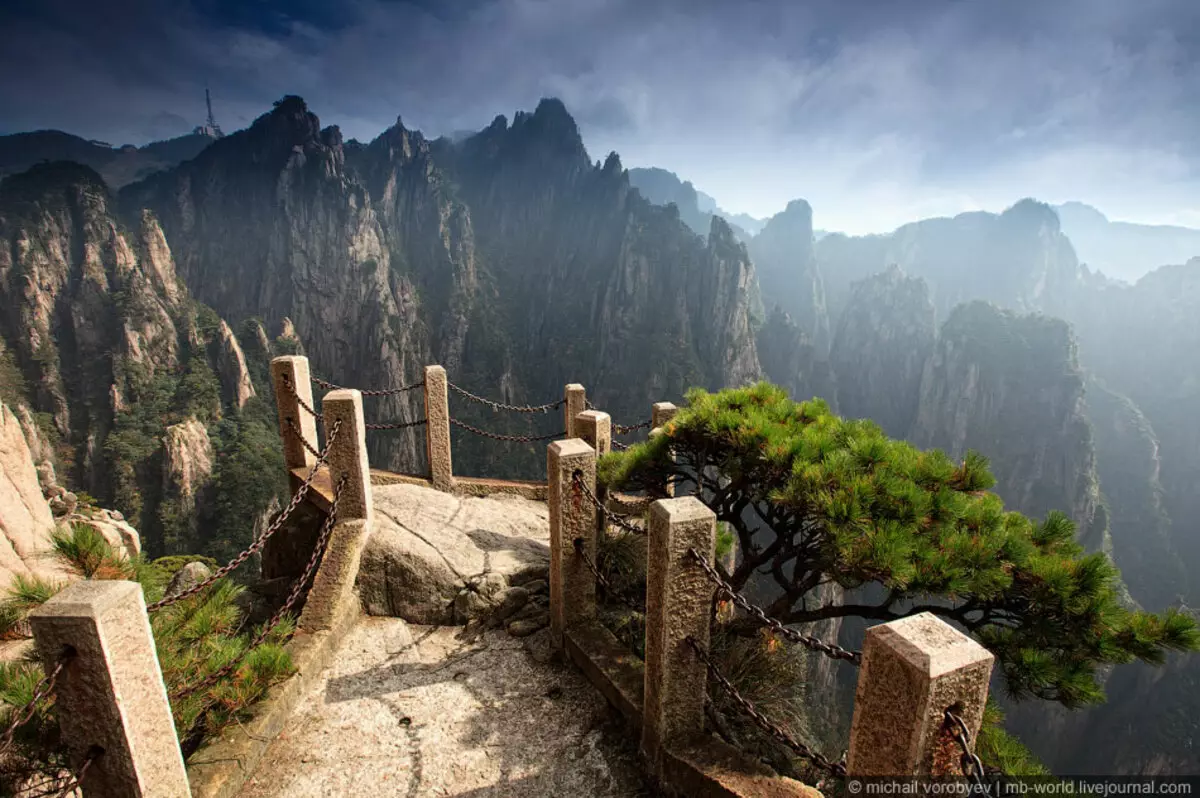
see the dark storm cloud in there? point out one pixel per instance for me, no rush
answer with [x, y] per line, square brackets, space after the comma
[877, 110]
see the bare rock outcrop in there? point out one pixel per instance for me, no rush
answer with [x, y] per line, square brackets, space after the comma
[437, 558]
[25, 518]
[236, 387]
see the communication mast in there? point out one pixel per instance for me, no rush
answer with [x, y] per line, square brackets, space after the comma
[210, 127]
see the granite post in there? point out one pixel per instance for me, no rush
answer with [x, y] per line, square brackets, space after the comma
[913, 670]
[348, 453]
[660, 414]
[678, 605]
[572, 516]
[111, 699]
[576, 403]
[437, 428]
[291, 377]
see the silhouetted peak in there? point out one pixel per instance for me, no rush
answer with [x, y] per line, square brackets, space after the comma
[52, 177]
[612, 163]
[550, 125]
[798, 207]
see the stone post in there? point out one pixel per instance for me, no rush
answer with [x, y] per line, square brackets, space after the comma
[678, 605]
[572, 515]
[660, 414]
[437, 428]
[576, 403]
[595, 428]
[110, 695]
[913, 670]
[348, 453]
[291, 377]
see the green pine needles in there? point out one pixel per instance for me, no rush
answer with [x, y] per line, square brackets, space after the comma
[817, 499]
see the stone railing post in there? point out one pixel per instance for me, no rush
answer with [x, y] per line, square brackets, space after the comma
[572, 516]
[291, 377]
[110, 695]
[660, 414]
[913, 670]
[437, 428]
[348, 453]
[576, 399]
[595, 429]
[678, 605]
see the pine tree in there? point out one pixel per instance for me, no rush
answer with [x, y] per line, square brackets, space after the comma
[816, 499]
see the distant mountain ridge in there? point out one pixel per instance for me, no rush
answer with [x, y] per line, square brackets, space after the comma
[119, 166]
[1125, 250]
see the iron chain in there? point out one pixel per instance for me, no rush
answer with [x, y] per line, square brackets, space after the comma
[820, 760]
[972, 765]
[830, 650]
[329, 386]
[501, 406]
[620, 447]
[604, 583]
[300, 437]
[511, 438]
[397, 425]
[297, 498]
[295, 395]
[619, 429]
[43, 688]
[293, 596]
[609, 515]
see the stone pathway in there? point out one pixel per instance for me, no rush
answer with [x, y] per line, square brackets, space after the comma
[432, 711]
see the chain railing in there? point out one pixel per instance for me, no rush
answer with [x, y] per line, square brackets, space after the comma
[291, 423]
[502, 406]
[297, 588]
[396, 425]
[507, 438]
[22, 715]
[329, 386]
[623, 429]
[611, 517]
[972, 765]
[830, 650]
[836, 769]
[257, 545]
[602, 580]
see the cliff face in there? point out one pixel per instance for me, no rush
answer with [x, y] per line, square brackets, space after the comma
[886, 334]
[1010, 387]
[788, 272]
[790, 360]
[509, 257]
[102, 342]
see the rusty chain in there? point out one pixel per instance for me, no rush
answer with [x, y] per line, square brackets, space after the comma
[287, 383]
[43, 688]
[329, 386]
[300, 437]
[397, 425]
[972, 765]
[830, 650]
[224, 570]
[297, 588]
[510, 438]
[622, 429]
[77, 778]
[502, 406]
[835, 769]
[604, 583]
[620, 447]
[609, 515]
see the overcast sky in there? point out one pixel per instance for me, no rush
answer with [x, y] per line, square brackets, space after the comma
[876, 111]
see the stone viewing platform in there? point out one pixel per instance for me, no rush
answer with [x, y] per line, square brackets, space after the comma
[449, 641]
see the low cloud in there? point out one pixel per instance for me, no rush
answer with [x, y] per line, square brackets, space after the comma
[877, 112]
